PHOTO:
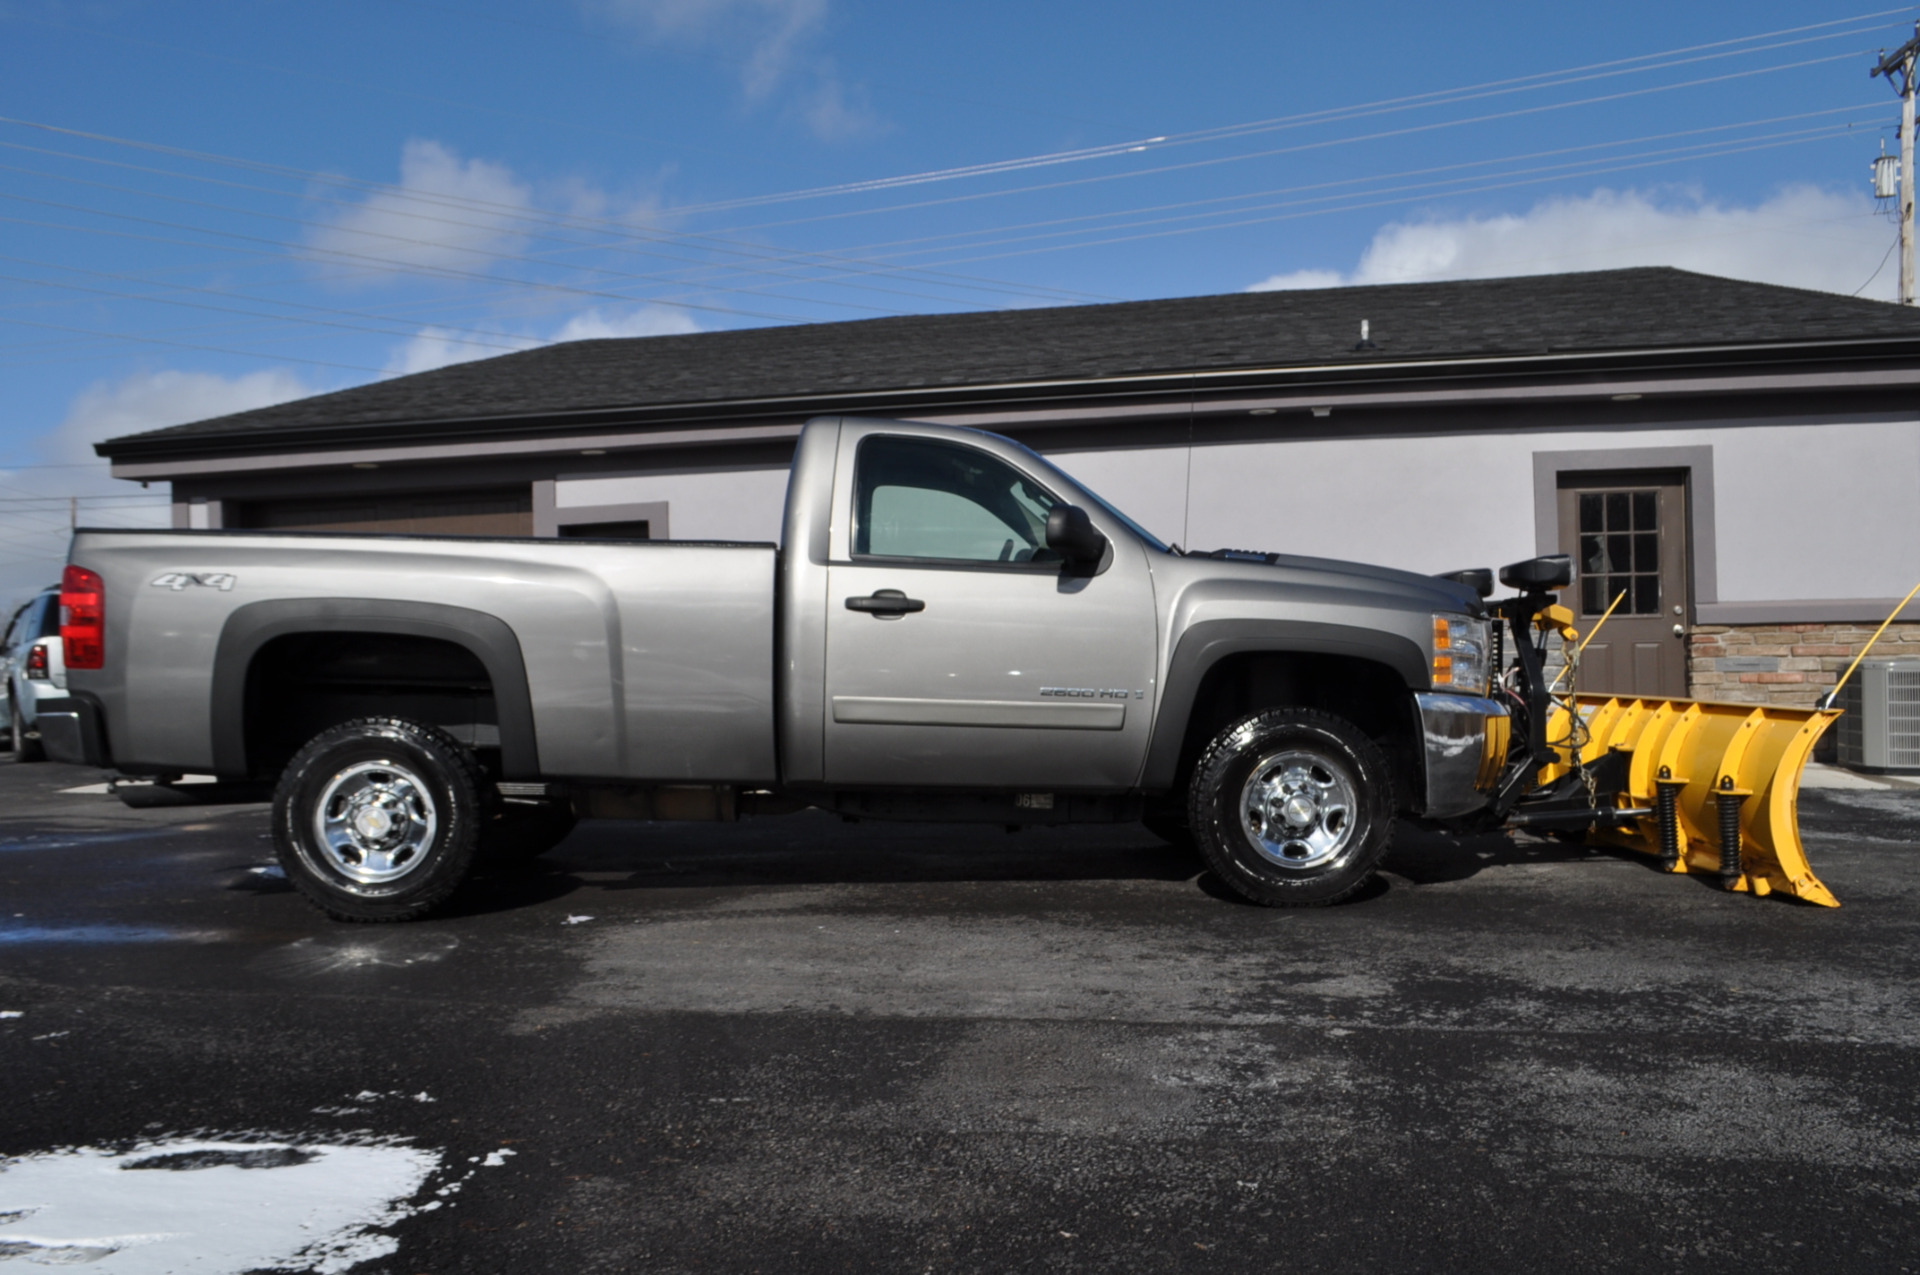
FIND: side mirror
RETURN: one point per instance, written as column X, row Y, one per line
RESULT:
column 1072, row 535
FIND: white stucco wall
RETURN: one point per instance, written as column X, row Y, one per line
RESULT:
column 1801, row 512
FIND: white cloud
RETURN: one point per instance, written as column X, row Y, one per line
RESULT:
column 773, row 40
column 33, row 536
column 835, row 112
column 1801, row 237
column 435, row 347
column 651, row 320
column 770, row 31
column 445, row 212
column 154, row 400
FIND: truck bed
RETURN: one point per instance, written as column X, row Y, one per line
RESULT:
column 645, row 660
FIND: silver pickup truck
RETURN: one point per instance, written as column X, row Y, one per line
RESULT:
column 952, row 630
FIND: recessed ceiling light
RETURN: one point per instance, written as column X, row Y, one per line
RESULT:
column 1263, row 411
column 1626, row 398
column 593, row 451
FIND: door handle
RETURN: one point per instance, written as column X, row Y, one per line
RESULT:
column 1679, row 630
column 886, row 604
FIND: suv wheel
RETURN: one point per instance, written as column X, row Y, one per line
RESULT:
column 378, row 819
column 1292, row 807
column 25, row 746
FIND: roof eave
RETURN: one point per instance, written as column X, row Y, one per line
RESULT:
column 269, row 439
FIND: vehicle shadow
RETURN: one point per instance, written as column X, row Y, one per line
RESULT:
column 816, row 848
column 1425, row 856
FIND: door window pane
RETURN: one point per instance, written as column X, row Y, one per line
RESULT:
column 1619, row 551
column 916, row 498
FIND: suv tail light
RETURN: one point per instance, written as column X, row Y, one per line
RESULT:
column 83, row 618
column 37, row 662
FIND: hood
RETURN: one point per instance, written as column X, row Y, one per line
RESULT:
column 1429, row 591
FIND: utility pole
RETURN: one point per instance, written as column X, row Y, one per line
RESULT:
column 1901, row 60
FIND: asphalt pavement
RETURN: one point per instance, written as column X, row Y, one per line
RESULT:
column 798, row 1044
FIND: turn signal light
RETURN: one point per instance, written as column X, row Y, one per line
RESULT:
column 83, row 618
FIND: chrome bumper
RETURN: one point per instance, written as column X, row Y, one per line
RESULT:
column 1463, row 750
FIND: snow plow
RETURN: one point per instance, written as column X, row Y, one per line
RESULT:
column 1703, row 787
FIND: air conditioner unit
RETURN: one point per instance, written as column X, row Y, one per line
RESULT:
column 1881, row 729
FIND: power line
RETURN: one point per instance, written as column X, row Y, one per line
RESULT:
column 1242, row 157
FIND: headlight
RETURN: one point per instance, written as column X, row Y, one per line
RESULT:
column 1460, row 646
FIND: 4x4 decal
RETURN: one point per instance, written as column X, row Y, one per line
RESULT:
column 178, row 580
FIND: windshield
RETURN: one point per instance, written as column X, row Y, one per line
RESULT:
column 1152, row 541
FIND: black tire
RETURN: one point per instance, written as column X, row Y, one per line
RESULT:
column 1292, row 807
column 24, row 749
column 517, row 832
column 379, row 819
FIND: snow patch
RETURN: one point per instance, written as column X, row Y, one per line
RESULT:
column 221, row 1208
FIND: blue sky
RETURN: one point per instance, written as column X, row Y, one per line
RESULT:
column 206, row 207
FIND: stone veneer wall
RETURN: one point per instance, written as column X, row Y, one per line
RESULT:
column 1790, row 664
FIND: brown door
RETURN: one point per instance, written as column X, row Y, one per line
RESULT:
column 1627, row 533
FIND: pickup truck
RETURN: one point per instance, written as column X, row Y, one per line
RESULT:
column 952, row 630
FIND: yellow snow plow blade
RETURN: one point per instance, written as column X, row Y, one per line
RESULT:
column 1720, row 783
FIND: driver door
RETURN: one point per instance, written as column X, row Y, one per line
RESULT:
column 960, row 652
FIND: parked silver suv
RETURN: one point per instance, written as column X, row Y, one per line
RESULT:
column 32, row 668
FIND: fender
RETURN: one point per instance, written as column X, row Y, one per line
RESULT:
column 487, row 637
column 1206, row 644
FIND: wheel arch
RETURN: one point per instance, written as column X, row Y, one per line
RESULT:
column 489, row 640
column 1276, row 664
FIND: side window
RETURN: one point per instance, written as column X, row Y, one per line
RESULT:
column 917, row 498
column 48, row 615
column 16, row 626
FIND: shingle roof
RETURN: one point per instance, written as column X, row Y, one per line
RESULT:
column 1645, row 308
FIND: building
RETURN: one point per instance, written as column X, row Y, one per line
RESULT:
column 1741, row 461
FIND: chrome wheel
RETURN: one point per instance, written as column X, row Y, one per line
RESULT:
column 374, row 821
column 1298, row 809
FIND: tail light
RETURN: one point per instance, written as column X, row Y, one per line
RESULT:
column 37, row 662
column 83, row 618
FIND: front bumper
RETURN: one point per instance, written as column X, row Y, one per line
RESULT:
column 1463, row 749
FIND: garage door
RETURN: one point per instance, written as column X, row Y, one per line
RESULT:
column 467, row 513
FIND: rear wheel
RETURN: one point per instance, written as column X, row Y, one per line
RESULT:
column 1292, row 807
column 378, row 819
column 25, row 748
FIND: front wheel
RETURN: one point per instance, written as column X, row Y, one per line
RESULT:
column 1292, row 807
column 378, row 819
